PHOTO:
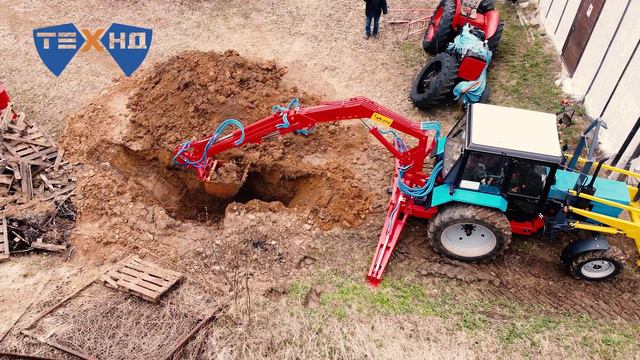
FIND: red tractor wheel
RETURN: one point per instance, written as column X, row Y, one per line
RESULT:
column 494, row 41
column 486, row 5
column 435, row 82
column 440, row 29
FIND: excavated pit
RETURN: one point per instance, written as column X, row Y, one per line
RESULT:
column 127, row 137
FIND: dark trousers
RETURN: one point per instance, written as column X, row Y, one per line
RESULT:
column 367, row 25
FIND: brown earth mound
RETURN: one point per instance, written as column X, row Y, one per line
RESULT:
column 125, row 138
column 190, row 93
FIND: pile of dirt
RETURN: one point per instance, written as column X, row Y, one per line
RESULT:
column 125, row 138
column 190, row 93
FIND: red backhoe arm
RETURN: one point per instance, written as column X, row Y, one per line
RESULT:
column 307, row 118
column 285, row 120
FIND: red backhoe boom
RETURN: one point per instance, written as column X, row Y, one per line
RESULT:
column 197, row 154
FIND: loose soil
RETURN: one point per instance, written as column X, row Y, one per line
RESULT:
column 127, row 138
column 284, row 226
column 294, row 179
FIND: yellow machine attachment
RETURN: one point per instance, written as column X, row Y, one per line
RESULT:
column 612, row 225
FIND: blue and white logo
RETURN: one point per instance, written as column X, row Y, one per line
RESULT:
column 128, row 45
column 57, row 45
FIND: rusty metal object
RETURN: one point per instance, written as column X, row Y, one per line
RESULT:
column 223, row 189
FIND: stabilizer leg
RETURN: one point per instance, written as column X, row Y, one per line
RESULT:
column 393, row 225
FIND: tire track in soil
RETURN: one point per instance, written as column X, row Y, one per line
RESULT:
column 532, row 280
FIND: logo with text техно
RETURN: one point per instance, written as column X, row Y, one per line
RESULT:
column 127, row 45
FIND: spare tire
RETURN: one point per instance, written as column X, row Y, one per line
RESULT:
column 435, row 82
column 439, row 32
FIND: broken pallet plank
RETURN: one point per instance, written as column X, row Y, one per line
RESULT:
column 27, row 181
column 6, row 116
column 56, row 164
column 5, row 183
column 38, row 244
column 4, row 241
column 157, row 269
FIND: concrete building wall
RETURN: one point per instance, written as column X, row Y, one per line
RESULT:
column 623, row 108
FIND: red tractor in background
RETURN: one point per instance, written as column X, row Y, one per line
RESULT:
column 451, row 15
column 462, row 35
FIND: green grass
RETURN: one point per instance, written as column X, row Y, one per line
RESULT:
column 524, row 71
column 411, row 54
column 520, row 329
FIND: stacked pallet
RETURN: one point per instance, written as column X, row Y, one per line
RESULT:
column 31, row 164
column 31, row 169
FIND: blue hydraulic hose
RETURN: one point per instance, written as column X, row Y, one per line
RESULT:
column 200, row 163
column 419, row 191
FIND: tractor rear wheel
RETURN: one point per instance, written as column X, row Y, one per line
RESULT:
column 440, row 29
column 469, row 233
column 486, row 5
column 435, row 82
column 598, row 265
column 494, row 41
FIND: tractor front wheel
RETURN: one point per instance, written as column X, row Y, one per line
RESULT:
column 469, row 233
column 598, row 265
column 435, row 82
column 440, row 29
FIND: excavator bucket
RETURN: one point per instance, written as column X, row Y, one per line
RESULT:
column 225, row 180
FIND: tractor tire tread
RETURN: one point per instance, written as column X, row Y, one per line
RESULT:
column 492, row 217
column 613, row 253
column 441, row 91
column 444, row 33
column 494, row 41
column 485, row 6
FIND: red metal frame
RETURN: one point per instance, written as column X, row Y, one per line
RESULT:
column 400, row 206
column 5, row 100
column 305, row 118
column 487, row 22
column 434, row 23
column 527, row 227
column 355, row 108
column 471, row 68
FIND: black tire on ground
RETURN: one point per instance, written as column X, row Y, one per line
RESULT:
column 444, row 33
column 598, row 265
column 434, row 84
column 469, row 233
column 486, row 5
column 486, row 94
column 494, row 41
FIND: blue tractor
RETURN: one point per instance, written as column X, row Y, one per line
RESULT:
column 505, row 173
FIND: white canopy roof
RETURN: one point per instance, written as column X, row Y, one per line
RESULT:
column 515, row 132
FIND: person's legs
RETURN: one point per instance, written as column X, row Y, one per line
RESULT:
column 375, row 25
column 367, row 26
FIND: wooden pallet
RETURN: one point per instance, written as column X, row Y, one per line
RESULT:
column 144, row 279
column 26, row 143
column 4, row 241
